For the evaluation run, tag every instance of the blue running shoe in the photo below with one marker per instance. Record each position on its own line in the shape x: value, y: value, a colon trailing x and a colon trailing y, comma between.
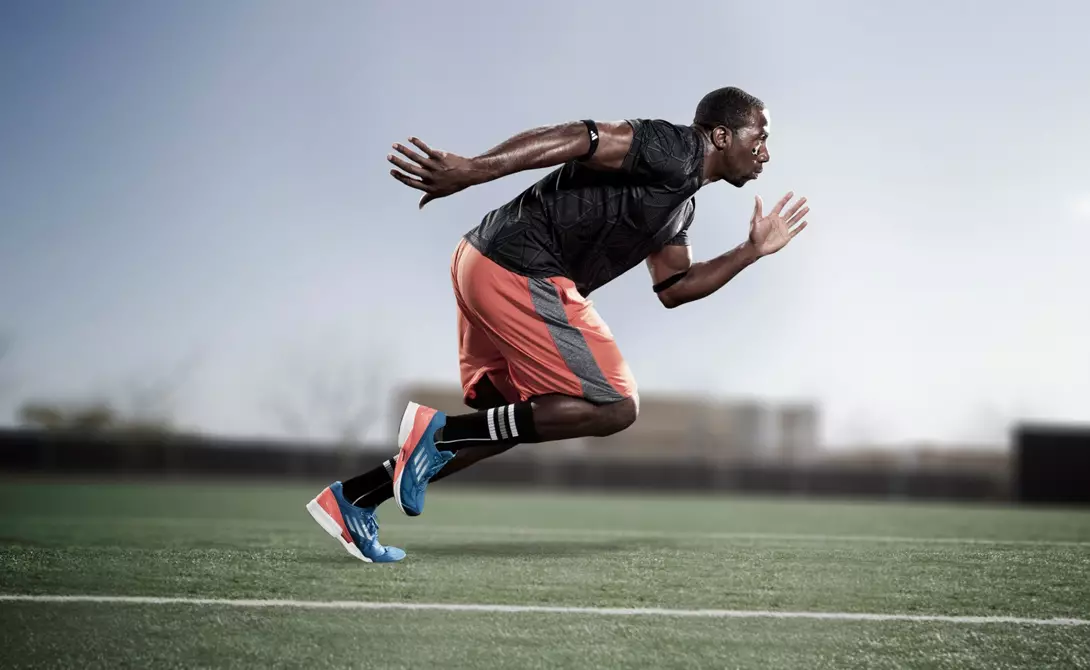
x: 355, y: 527
x: 419, y: 460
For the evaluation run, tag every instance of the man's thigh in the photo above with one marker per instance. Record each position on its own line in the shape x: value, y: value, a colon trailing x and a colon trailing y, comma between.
x: 551, y: 339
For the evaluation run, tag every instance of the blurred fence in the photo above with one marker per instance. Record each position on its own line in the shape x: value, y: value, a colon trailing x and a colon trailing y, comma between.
x: 58, y: 453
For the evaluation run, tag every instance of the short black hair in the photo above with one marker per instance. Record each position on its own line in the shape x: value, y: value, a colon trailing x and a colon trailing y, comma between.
x: 728, y: 106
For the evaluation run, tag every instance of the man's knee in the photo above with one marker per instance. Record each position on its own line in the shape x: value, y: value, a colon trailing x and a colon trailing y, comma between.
x: 619, y: 415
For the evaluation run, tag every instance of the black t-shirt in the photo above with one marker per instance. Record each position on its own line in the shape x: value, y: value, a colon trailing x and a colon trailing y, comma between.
x: 592, y: 225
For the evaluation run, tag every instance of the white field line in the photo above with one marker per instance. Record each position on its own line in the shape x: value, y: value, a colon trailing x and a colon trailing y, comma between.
x: 713, y: 535
x: 541, y: 609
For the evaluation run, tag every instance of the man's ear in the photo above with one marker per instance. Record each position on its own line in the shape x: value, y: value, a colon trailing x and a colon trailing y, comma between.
x: 722, y: 137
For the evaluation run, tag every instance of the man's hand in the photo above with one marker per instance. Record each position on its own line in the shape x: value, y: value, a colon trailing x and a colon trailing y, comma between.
x: 436, y: 173
x: 769, y: 234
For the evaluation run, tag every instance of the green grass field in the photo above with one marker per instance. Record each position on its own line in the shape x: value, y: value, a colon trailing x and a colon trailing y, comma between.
x: 759, y: 556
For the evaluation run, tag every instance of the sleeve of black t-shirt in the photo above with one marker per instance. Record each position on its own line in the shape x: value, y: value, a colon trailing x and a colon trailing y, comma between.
x: 661, y: 152
x: 681, y: 239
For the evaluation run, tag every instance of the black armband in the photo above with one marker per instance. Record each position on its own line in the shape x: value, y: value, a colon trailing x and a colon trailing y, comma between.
x: 592, y: 130
x: 668, y: 282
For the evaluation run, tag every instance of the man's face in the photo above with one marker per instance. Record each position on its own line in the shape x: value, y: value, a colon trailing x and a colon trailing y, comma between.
x: 748, y: 151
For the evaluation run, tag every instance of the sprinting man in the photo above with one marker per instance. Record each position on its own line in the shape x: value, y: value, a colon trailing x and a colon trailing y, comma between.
x: 537, y: 362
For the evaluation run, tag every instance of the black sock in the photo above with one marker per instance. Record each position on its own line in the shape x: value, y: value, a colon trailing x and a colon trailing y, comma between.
x: 356, y: 489
x: 380, y: 495
x: 513, y: 424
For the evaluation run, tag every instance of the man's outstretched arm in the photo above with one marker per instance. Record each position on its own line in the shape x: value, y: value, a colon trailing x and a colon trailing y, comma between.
x: 440, y: 173
x: 678, y: 280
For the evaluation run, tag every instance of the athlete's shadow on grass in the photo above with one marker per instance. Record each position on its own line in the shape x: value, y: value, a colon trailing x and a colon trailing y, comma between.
x: 517, y: 549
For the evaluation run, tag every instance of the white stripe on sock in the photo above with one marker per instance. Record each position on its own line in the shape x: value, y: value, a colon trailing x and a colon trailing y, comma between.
x: 511, y: 418
x: 492, y: 423
x: 501, y: 417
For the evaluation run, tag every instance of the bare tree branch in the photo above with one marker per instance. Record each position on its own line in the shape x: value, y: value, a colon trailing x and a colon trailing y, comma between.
x: 147, y: 397
x: 342, y: 401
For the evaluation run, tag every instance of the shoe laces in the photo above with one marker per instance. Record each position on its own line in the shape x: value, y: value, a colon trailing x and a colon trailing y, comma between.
x: 372, y: 527
x: 444, y: 458
x: 371, y: 523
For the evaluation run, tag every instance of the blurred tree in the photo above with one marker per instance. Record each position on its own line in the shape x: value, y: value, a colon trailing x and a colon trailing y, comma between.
x: 142, y: 405
x: 94, y: 416
x: 90, y: 417
x: 341, y: 401
x: 147, y: 399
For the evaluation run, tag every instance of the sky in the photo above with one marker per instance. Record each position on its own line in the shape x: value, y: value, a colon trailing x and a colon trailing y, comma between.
x: 196, y: 195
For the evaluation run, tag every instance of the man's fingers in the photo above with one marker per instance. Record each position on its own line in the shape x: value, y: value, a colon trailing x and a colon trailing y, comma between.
x: 425, y: 199
x: 405, y: 165
x: 423, y: 147
x: 780, y: 205
x: 410, y: 181
x: 412, y: 155
x: 798, y: 229
x: 797, y: 216
x: 758, y: 205
x: 794, y: 208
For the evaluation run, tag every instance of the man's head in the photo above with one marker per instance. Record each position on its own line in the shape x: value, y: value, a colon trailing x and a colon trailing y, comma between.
x: 737, y: 124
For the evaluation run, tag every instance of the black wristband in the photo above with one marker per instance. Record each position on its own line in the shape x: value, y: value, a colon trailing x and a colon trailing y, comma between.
x: 592, y: 130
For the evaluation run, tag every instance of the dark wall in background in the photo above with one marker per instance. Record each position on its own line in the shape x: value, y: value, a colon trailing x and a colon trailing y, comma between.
x: 1052, y: 465
x: 58, y: 454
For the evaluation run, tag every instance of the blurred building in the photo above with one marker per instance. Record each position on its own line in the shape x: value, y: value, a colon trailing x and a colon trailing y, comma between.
x: 712, y: 429
x: 991, y: 460
x: 798, y: 430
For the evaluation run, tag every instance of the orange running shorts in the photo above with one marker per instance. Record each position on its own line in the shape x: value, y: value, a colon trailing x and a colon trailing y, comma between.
x: 532, y: 336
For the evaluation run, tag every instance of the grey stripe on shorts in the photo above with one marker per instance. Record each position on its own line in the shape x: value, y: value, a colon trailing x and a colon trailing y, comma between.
x: 570, y: 342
